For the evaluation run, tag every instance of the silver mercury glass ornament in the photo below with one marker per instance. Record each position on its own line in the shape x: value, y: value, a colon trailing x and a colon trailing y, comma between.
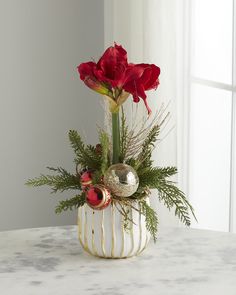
x: 121, y: 179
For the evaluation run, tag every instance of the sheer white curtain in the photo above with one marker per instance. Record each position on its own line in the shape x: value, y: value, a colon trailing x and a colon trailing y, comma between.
x: 148, y: 30
x: 194, y: 44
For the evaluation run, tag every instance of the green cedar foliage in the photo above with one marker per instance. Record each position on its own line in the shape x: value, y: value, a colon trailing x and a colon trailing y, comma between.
x: 86, y: 156
x: 70, y: 204
x: 157, y: 178
x: 151, y: 219
x: 134, y: 151
x: 144, y: 158
x: 62, y: 181
x: 173, y: 197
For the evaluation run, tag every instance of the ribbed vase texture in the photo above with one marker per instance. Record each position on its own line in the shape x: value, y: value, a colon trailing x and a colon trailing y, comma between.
x: 102, y: 233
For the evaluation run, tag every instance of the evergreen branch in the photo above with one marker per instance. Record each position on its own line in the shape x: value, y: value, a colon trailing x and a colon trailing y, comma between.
x: 91, y: 159
x: 63, y: 181
x: 96, y: 177
x: 166, y: 171
x: 140, y: 193
x: 85, y: 156
x: 132, y: 162
x: 71, y: 204
x: 135, y: 139
x: 151, y: 137
x: 144, y: 158
x: 151, y: 219
x: 76, y: 142
x: 172, y: 196
x: 150, y: 177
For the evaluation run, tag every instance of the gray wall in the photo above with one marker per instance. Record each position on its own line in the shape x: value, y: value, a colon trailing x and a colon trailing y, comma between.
x: 41, y: 98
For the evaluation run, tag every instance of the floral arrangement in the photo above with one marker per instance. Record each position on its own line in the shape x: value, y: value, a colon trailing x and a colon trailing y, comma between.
x: 119, y: 169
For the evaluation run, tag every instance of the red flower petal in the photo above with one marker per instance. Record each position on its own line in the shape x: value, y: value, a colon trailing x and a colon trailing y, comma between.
x: 139, y: 78
x: 147, y: 107
x: 111, y: 57
x: 132, y: 73
x: 150, y: 77
x: 112, y: 65
x: 86, y: 69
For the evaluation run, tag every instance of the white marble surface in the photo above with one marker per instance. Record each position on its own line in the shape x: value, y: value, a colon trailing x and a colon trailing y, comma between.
x: 51, y: 261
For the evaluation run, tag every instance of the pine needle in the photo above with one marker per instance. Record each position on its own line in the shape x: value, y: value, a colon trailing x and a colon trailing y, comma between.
x: 70, y: 204
x: 86, y: 156
x: 151, y: 219
x: 61, y: 182
x: 172, y: 196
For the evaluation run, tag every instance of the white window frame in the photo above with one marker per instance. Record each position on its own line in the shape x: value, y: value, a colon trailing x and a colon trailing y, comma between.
x: 183, y: 95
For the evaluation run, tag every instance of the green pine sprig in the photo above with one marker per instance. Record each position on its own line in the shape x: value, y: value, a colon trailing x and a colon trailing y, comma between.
x: 144, y: 157
x: 169, y: 193
x: 173, y: 197
x: 60, y: 182
x: 151, y: 219
x: 149, y: 176
x: 86, y: 156
x: 135, y: 152
x: 70, y: 204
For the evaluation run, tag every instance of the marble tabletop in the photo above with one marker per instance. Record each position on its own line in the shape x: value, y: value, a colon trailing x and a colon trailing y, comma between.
x: 51, y: 261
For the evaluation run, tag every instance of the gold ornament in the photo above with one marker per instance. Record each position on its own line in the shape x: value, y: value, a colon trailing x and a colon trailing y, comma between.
x: 122, y: 180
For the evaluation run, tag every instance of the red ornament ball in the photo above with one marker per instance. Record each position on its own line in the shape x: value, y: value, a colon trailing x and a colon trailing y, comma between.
x: 98, y: 197
x: 86, y: 179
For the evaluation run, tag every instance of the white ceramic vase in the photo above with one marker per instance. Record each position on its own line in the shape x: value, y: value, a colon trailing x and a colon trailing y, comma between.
x: 102, y: 233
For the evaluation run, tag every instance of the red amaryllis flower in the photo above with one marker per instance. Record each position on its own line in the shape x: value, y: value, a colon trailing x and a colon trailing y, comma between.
x: 140, y: 78
x: 115, y: 78
x: 109, y: 71
x: 112, y: 65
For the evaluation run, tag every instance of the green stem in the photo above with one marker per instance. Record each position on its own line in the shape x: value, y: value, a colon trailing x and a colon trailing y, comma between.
x: 115, y: 137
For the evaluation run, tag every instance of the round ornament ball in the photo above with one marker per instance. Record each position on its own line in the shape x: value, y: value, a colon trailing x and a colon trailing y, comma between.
x: 86, y: 179
x: 122, y: 180
x: 98, y: 197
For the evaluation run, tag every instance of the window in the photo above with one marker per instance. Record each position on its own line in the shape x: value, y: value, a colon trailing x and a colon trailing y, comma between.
x: 211, y: 131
